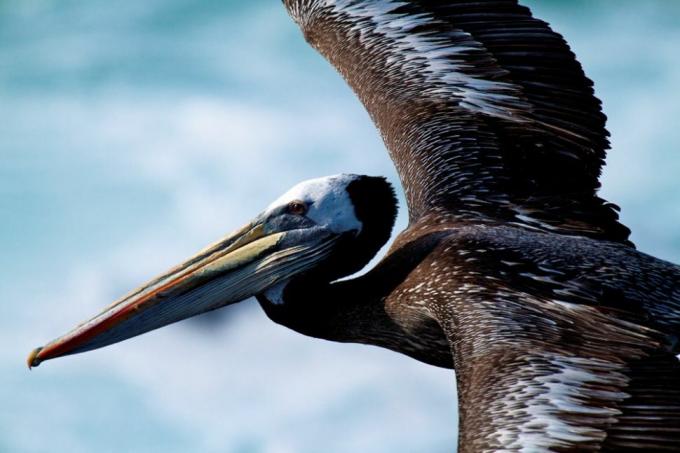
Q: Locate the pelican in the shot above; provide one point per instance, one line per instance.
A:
(512, 270)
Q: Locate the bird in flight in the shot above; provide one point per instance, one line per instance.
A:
(512, 269)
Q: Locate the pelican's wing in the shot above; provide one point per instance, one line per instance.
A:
(484, 109)
(540, 397)
(560, 344)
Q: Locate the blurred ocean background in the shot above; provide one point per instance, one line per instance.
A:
(133, 133)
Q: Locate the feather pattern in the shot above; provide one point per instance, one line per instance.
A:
(548, 355)
(484, 109)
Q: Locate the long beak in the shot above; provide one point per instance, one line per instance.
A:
(241, 265)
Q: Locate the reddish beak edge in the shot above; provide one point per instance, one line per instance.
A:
(205, 282)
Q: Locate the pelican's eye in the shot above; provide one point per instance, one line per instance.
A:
(297, 207)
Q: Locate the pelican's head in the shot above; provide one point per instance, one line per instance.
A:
(323, 228)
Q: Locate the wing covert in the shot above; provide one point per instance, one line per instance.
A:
(484, 109)
(547, 358)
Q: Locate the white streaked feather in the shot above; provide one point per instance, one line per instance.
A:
(425, 55)
(548, 400)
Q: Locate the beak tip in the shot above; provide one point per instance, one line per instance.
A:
(33, 359)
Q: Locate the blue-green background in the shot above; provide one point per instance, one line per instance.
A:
(132, 133)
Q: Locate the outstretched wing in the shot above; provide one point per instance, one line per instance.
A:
(484, 109)
(536, 397)
(550, 356)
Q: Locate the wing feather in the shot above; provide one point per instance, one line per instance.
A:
(485, 110)
(552, 351)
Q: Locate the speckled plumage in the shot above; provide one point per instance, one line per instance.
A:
(484, 109)
(512, 269)
(547, 332)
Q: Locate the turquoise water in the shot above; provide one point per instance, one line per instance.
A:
(134, 133)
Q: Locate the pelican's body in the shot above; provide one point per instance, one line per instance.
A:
(559, 342)
(512, 270)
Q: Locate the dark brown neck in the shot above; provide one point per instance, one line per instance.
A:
(354, 311)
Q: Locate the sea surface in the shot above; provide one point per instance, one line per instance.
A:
(133, 133)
